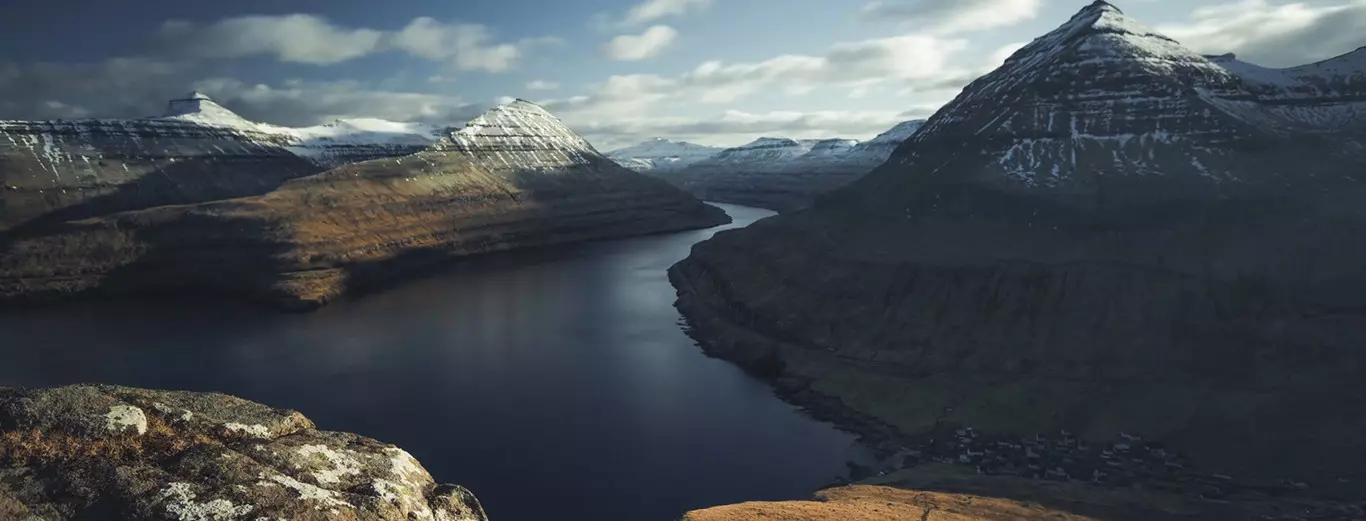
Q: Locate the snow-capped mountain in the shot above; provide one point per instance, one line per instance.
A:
(331, 144)
(762, 153)
(1106, 210)
(880, 148)
(205, 202)
(662, 155)
(785, 174)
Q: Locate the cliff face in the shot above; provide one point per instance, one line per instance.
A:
(1108, 234)
(106, 453)
(512, 178)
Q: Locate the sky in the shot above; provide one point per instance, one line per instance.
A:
(716, 72)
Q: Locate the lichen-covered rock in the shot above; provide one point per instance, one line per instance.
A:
(96, 452)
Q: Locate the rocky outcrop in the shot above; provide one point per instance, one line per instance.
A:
(515, 177)
(99, 452)
(942, 493)
(1109, 234)
(784, 174)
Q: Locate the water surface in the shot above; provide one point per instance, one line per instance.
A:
(555, 384)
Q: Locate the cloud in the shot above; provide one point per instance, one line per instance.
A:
(297, 38)
(117, 87)
(467, 46)
(1274, 35)
(302, 103)
(919, 63)
(952, 16)
(301, 38)
(648, 44)
(135, 87)
(542, 85)
(622, 108)
(652, 10)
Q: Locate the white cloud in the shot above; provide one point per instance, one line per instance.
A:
(652, 10)
(623, 108)
(542, 85)
(1274, 35)
(629, 47)
(297, 38)
(309, 39)
(298, 103)
(952, 16)
(467, 46)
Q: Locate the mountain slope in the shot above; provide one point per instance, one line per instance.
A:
(514, 177)
(662, 155)
(51, 171)
(1107, 234)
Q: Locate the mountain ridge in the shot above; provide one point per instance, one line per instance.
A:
(513, 177)
(1107, 234)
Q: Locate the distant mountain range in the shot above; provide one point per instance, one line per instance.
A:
(1109, 236)
(205, 202)
(770, 172)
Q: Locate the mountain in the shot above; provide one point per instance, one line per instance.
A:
(1110, 236)
(786, 174)
(880, 148)
(512, 177)
(661, 155)
(197, 151)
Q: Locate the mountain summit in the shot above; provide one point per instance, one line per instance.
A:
(1109, 233)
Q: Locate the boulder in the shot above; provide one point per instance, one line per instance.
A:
(97, 452)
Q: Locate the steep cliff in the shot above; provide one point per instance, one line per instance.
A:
(107, 453)
(514, 177)
(1108, 234)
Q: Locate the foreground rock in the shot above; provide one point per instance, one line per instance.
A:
(939, 493)
(1110, 235)
(512, 178)
(98, 452)
(783, 174)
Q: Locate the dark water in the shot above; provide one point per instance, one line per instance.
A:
(554, 384)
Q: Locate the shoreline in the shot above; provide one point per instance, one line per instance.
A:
(902, 456)
(379, 276)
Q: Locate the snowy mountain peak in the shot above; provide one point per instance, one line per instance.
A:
(771, 142)
(1101, 5)
(522, 134)
(662, 154)
(199, 108)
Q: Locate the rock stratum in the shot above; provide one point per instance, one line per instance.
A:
(100, 452)
(1109, 236)
(227, 210)
(784, 174)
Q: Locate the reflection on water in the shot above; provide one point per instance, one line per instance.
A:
(554, 383)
